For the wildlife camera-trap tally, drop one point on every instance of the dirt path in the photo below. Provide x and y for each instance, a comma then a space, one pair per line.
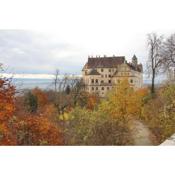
141, 134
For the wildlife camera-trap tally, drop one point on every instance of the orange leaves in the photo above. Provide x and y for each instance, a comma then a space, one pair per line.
7, 93
6, 137
26, 129
41, 97
7, 108
34, 130
92, 102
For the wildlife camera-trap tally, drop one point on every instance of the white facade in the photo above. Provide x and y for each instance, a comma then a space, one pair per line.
101, 80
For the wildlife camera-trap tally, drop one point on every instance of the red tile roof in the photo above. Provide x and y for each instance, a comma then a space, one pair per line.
110, 62
104, 62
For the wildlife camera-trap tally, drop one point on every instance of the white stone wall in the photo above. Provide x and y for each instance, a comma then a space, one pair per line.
107, 80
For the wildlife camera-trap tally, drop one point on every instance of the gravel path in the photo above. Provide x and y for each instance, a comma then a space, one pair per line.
141, 134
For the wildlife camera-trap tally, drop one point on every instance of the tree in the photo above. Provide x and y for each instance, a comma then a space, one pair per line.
169, 51
155, 61
159, 113
7, 109
87, 127
92, 101
31, 102
67, 91
41, 96
124, 103
36, 130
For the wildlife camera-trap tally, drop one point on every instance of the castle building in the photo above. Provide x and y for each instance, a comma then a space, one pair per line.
101, 74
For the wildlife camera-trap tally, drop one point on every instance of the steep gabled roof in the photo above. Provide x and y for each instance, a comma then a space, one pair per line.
104, 62
94, 72
137, 67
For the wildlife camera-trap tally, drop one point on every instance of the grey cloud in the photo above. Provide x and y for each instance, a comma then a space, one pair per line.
29, 52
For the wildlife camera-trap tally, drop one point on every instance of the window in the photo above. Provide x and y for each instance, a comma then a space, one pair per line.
96, 80
102, 81
92, 81
102, 88
101, 70
96, 88
109, 70
109, 81
107, 88
131, 81
118, 81
106, 76
109, 76
92, 88
102, 76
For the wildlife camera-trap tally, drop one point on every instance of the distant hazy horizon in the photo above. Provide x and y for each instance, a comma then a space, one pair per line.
42, 42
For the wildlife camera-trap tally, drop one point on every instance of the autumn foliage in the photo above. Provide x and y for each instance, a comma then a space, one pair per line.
26, 128
39, 117
7, 108
34, 130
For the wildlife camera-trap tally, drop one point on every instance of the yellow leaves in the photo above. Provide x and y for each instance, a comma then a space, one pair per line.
123, 101
64, 117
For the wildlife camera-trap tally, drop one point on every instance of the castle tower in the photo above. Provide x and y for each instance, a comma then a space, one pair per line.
134, 60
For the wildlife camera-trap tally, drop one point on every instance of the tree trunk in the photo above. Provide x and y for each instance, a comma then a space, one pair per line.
152, 85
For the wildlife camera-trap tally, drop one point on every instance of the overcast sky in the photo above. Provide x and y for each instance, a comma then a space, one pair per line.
61, 34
